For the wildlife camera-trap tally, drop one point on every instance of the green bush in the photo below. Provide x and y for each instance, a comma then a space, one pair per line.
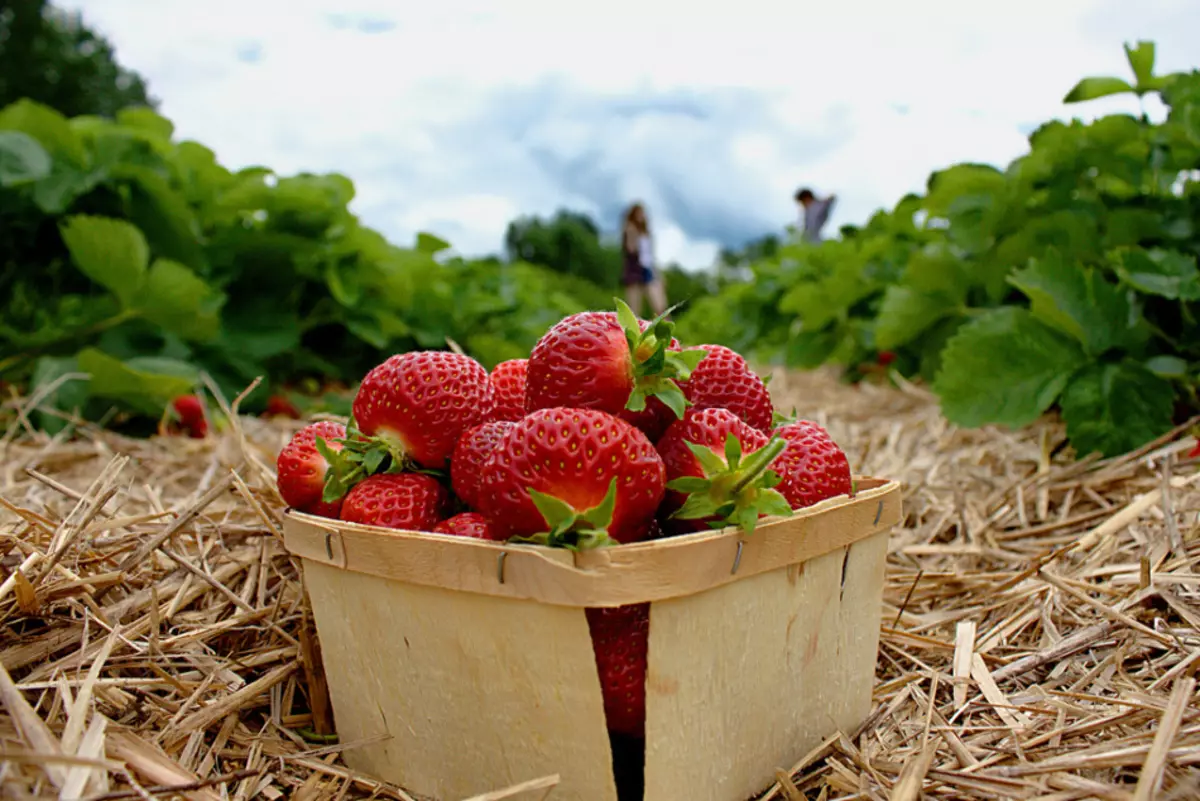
1068, 280
141, 261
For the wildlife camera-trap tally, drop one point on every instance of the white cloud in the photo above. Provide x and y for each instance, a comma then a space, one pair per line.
462, 114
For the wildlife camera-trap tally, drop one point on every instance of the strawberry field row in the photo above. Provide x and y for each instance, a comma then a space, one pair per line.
1067, 280
141, 261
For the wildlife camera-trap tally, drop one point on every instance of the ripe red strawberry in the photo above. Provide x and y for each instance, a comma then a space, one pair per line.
408, 501
614, 362
507, 382
723, 380
709, 483
620, 642
466, 524
300, 468
571, 477
812, 466
418, 404
187, 416
473, 449
281, 406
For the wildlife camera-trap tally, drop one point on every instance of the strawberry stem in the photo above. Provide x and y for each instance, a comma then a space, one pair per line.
653, 366
756, 466
733, 490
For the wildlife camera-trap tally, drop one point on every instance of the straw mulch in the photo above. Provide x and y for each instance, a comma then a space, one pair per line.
1040, 635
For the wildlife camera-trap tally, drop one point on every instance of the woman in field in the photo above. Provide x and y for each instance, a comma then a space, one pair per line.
638, 273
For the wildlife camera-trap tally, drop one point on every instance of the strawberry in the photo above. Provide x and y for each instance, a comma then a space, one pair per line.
507, 383
473, 449
620, 642
281, 406
418, 404
466, 524
708, 489
407, 501
301, 468
186, 415
812, 466
614, 362
723, 380
572, 478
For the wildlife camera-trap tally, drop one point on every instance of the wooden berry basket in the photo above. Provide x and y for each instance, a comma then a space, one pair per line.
474, 659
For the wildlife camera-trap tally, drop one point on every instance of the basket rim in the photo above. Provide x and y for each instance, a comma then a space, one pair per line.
651, 570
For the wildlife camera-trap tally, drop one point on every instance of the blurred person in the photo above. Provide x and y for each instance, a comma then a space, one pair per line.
638, 273
816, 212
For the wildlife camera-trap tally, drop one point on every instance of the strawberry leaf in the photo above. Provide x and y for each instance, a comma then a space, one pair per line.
698, 506
772, 504
746, 519
735, 491
733, 450
557, 514
710, 462
780, 419
373, 461
571, 529
689, 484
654, 366
601, 515
637, 400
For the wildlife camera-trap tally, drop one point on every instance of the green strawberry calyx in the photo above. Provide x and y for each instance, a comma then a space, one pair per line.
358, 456
778, 418
575, 531
654, 367
733, 490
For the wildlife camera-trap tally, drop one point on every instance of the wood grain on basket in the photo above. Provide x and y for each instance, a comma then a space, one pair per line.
644, 571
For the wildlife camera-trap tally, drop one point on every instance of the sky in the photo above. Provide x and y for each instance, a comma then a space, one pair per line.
458, 116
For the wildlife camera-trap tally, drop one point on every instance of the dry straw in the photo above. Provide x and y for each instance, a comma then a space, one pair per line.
1040, 632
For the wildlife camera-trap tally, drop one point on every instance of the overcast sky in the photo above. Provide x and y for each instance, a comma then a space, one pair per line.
456, 116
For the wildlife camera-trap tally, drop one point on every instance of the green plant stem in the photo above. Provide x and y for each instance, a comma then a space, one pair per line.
772, 450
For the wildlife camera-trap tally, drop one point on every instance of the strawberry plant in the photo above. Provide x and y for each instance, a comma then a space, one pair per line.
140, 261
1067, 281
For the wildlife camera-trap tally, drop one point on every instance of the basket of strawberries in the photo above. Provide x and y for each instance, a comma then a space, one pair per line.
610, 562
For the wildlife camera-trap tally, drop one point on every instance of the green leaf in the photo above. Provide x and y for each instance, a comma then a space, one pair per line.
688, 484
345, 282
70, 395
1167, 273
710, 462
772, 504
601, 515
1114, 408
111, 252
47, 126
1005, 367
259, 332
1141, 61
557, 514
429, 243
55, 193
162, 214
1167, 366
148, 120
733, 450
175, 298
145, 384
906, 313
1093, 88
22, 159
1079, 301
810, 349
